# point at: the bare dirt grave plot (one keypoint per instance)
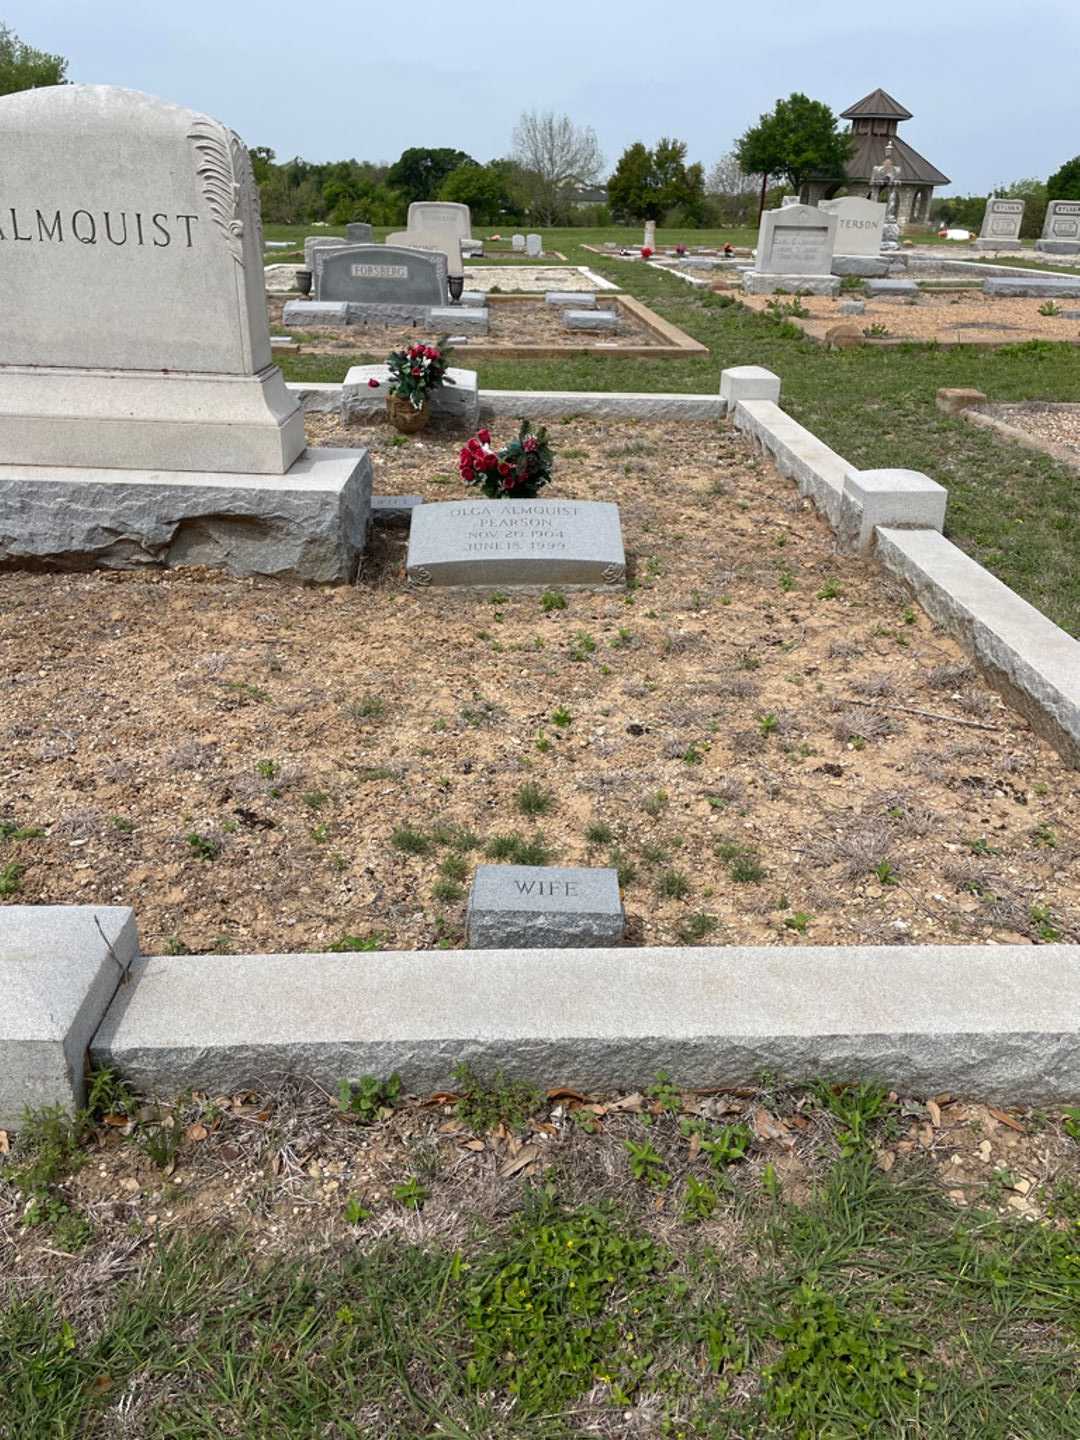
(949, 317)
(770, 742)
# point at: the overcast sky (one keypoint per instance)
(993, 86)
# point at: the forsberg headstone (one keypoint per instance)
(516, 543)
(381, 274)
(1061, 228)
(1001, 225)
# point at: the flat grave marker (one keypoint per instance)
(525, 907)
(516, 544)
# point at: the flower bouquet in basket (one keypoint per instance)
(519, 471)
(414, 374)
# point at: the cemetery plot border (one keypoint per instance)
(676, 344)
(1051, 427)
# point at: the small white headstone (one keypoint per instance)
(650, 235)
(533, 246)
(517, 242)
(796, 240)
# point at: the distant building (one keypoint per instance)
(588, 195)
(874, 119)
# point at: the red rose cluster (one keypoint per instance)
(478, 458)
(646, 252)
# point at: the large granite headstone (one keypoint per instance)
(573, 544)
(525, 907)
(859, 224)
(140, 411)
(794, 252)
(381, 275)
(1061, 228)
(1001, 225)
(312, 243)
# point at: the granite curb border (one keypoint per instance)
(995, 1022)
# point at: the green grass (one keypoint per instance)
(874, 1309)
(1015, 511)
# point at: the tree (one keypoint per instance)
(797, 139)
(488, 190)
(1064, 184)
(419, 173)
(732, 195)
(24, 68)
(649, 184)
(556, 156)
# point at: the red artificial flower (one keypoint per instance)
(373, 383)
(484, 435)
(415, 370)
(491, 462)
(531, 443)
(510, 483)
(468, 473)
(504, 469)
(645, 252)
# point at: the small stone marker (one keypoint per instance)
(1061, 228)
(525, 907)
(358, 232)
(859, 224)
(319, 242)
(533, 246)
(890, 287)
(394, 509)
(571, 299)
(517, 242)
(516, 544)
(1001, 225)
(852, 307)
(381, 274)
(595, 320)
(473, 320)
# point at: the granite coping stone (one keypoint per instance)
(58, 973)
(536, 907)
(997, 1022)
(571, 299)
(756, 282)
(394, 509)
(1037, 286)
(516, 544)
(468, 319)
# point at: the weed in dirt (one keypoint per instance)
(203, 847)
(831, 590)
(655, 803)
(673, 885)
(561, 717)
(410, 1193)
(598, 833)
(410, 841)
(697, 927)
(369, 1099)
(582, 646)
(532, 799)
(370, 707)
(448, 891)
(349, 943)
(646, 1166)
(518, 850)
(10, 879)
(552, 600)
(484, 1103)
(454, 867)
(623, 866)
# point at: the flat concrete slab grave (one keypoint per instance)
(536, 907)
(60, 965)
(468, 319)
(1046, 287)
(514, 544)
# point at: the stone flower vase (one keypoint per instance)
(303, 281)
(403, 417)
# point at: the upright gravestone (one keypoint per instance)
(649, 240)
(312, 243)
(859, 224)
(381, 275)
(533, 246)
(1061, 229)
(473, 544)
(787, 200)
(358, 232)
(794, 252)
(1001, 225)
(141, 417)
(517, 242)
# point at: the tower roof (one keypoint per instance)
(878, 105)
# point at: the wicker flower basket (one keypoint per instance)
(404, 418)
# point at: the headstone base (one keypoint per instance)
(145, 420)
(594, 320)
(755, 282)
(468, 319)
(338, 314)
(992, 245)
(868, 267)
(310, 524)
(1058, 247)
